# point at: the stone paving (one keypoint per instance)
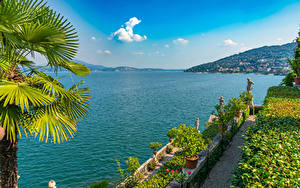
(221, 174)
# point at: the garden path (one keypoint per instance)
(221, 174)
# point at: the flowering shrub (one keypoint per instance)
(151, 166)
(163, 177)
(270, 155)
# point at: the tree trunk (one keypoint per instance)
(8, 159)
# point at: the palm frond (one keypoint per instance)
(51, 123)
(22, 95)
(77, 69)
(4, 63)
(78, 109)
(10, 119)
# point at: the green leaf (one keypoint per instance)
(78, 69)
(22, 95)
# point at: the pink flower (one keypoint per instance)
(182, 168)
(167, 170)
(172, 171)
(189, 172)
(176, 171)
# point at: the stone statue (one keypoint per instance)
(222, 102)
(249, 86)
(197, 123)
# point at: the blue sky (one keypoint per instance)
(173, 33)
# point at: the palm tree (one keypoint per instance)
(32, 102)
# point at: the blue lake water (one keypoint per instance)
(129, 110)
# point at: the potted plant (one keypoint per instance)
(172, 133)
(169, 150)
(237, 107)
(151, 166)
(191, 142)
(223, 117)
(295, 63)
(160, 157)
(154, 146)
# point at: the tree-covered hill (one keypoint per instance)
(264, 60)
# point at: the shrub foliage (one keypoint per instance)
(270, 155)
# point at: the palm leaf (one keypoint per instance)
(10, 119)
(77, 69)
(78, 109)
(22, 95)
(51, 122)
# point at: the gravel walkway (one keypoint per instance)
(221, 174)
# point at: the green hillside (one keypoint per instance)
(264, 60)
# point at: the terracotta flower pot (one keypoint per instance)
(191, 163)
(297, 80)
(154, 152)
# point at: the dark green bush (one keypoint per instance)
(288, 79)
(100, 184)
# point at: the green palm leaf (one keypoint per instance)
(51, 122)
(77, 69)
(10, 119)
(22, 95)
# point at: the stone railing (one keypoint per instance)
(143, 169)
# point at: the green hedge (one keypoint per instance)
(270, 155)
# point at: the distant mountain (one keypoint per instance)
(263, 60)
(92, 67)
(98, 68)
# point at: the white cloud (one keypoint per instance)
(229, 42)
(279, 39)
(180, 41)
(93, 38)
(99, 52)
(138, 53)
(157, 53)
(126, 34)
(108, 52)
(167, 46)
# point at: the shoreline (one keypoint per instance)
(271, 74)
